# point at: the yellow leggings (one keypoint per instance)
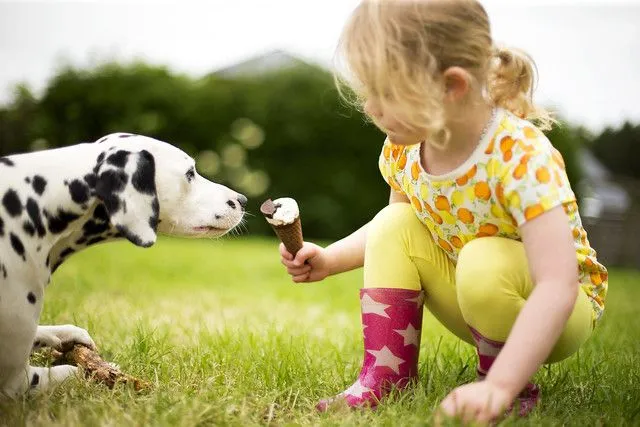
(485, 289)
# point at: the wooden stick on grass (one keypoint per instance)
(97, 368)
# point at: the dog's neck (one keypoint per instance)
(63, 214)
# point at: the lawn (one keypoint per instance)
(227, 339)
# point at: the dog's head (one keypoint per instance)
(149, 187)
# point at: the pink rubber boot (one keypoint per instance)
(488, 350)
(392, 320)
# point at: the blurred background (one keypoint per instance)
(245, 87)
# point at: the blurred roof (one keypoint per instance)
(263, 63)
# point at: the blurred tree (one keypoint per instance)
(282, 133)
(619, 149)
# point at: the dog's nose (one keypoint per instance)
(242, 200)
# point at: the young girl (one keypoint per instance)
(482, 225)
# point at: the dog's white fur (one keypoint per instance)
(123, 185)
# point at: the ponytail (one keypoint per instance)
(511, 83)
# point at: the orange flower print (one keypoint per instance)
(491, 146)
(596, 279)
(500, 193)
(464, 179)
(445, 245)
(395, 151)
(506, 144)
(402, 161)
(457, 242)
(520, 171)
(482, 190)
(416, 203)
(415, 171)
(437, 218)
(465, 216)
(442, 203)
(386, 151)
(487, 230)
(542, 175)
(533, 211)
(576, 233)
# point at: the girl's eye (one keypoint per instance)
(191, 174)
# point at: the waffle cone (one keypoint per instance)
(290, 235)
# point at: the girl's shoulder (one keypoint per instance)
(518, 141)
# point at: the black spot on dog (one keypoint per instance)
(118, 159)
(125, 135)
(60, 222)
(56, 265)
(29, 228)
(103, 139)
(11, 203)
(31, 297)
(100, 213)
(100, 158)
(81, 241)
(34, 214)
(95, 240)
(17, 246)
(1, 227)
(65, 253)
(79, 191)
(3, 269)
(7, 162)
(35, 380)
(48, 260)
(153, 220)
(91, 179)
(27, 180)
(109, 184)
(112, 181)
(39, 248)
(39, 184)
(144, 178)
(92, 228)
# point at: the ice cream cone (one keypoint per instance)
(284, 217)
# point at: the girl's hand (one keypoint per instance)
(476, 402)
(311, 263)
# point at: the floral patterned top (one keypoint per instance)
(514, 175)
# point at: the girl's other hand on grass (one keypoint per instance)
(311, 263)
(476, 403)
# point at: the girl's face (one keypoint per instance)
(390, 122)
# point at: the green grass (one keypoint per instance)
(227, 339)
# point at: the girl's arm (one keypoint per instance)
(554, 269)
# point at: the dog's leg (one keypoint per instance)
(34, 379)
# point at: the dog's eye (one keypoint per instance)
(191, 174)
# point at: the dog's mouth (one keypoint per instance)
(210, 229)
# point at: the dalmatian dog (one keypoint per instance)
(60, 201)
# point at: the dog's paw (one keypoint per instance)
(63, 337)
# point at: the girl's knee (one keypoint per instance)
(492, 284)
(391, 221)
(487, 263)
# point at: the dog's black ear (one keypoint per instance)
(126, 184)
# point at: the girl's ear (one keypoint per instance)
(457, 82)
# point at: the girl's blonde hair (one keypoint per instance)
(397, 50)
